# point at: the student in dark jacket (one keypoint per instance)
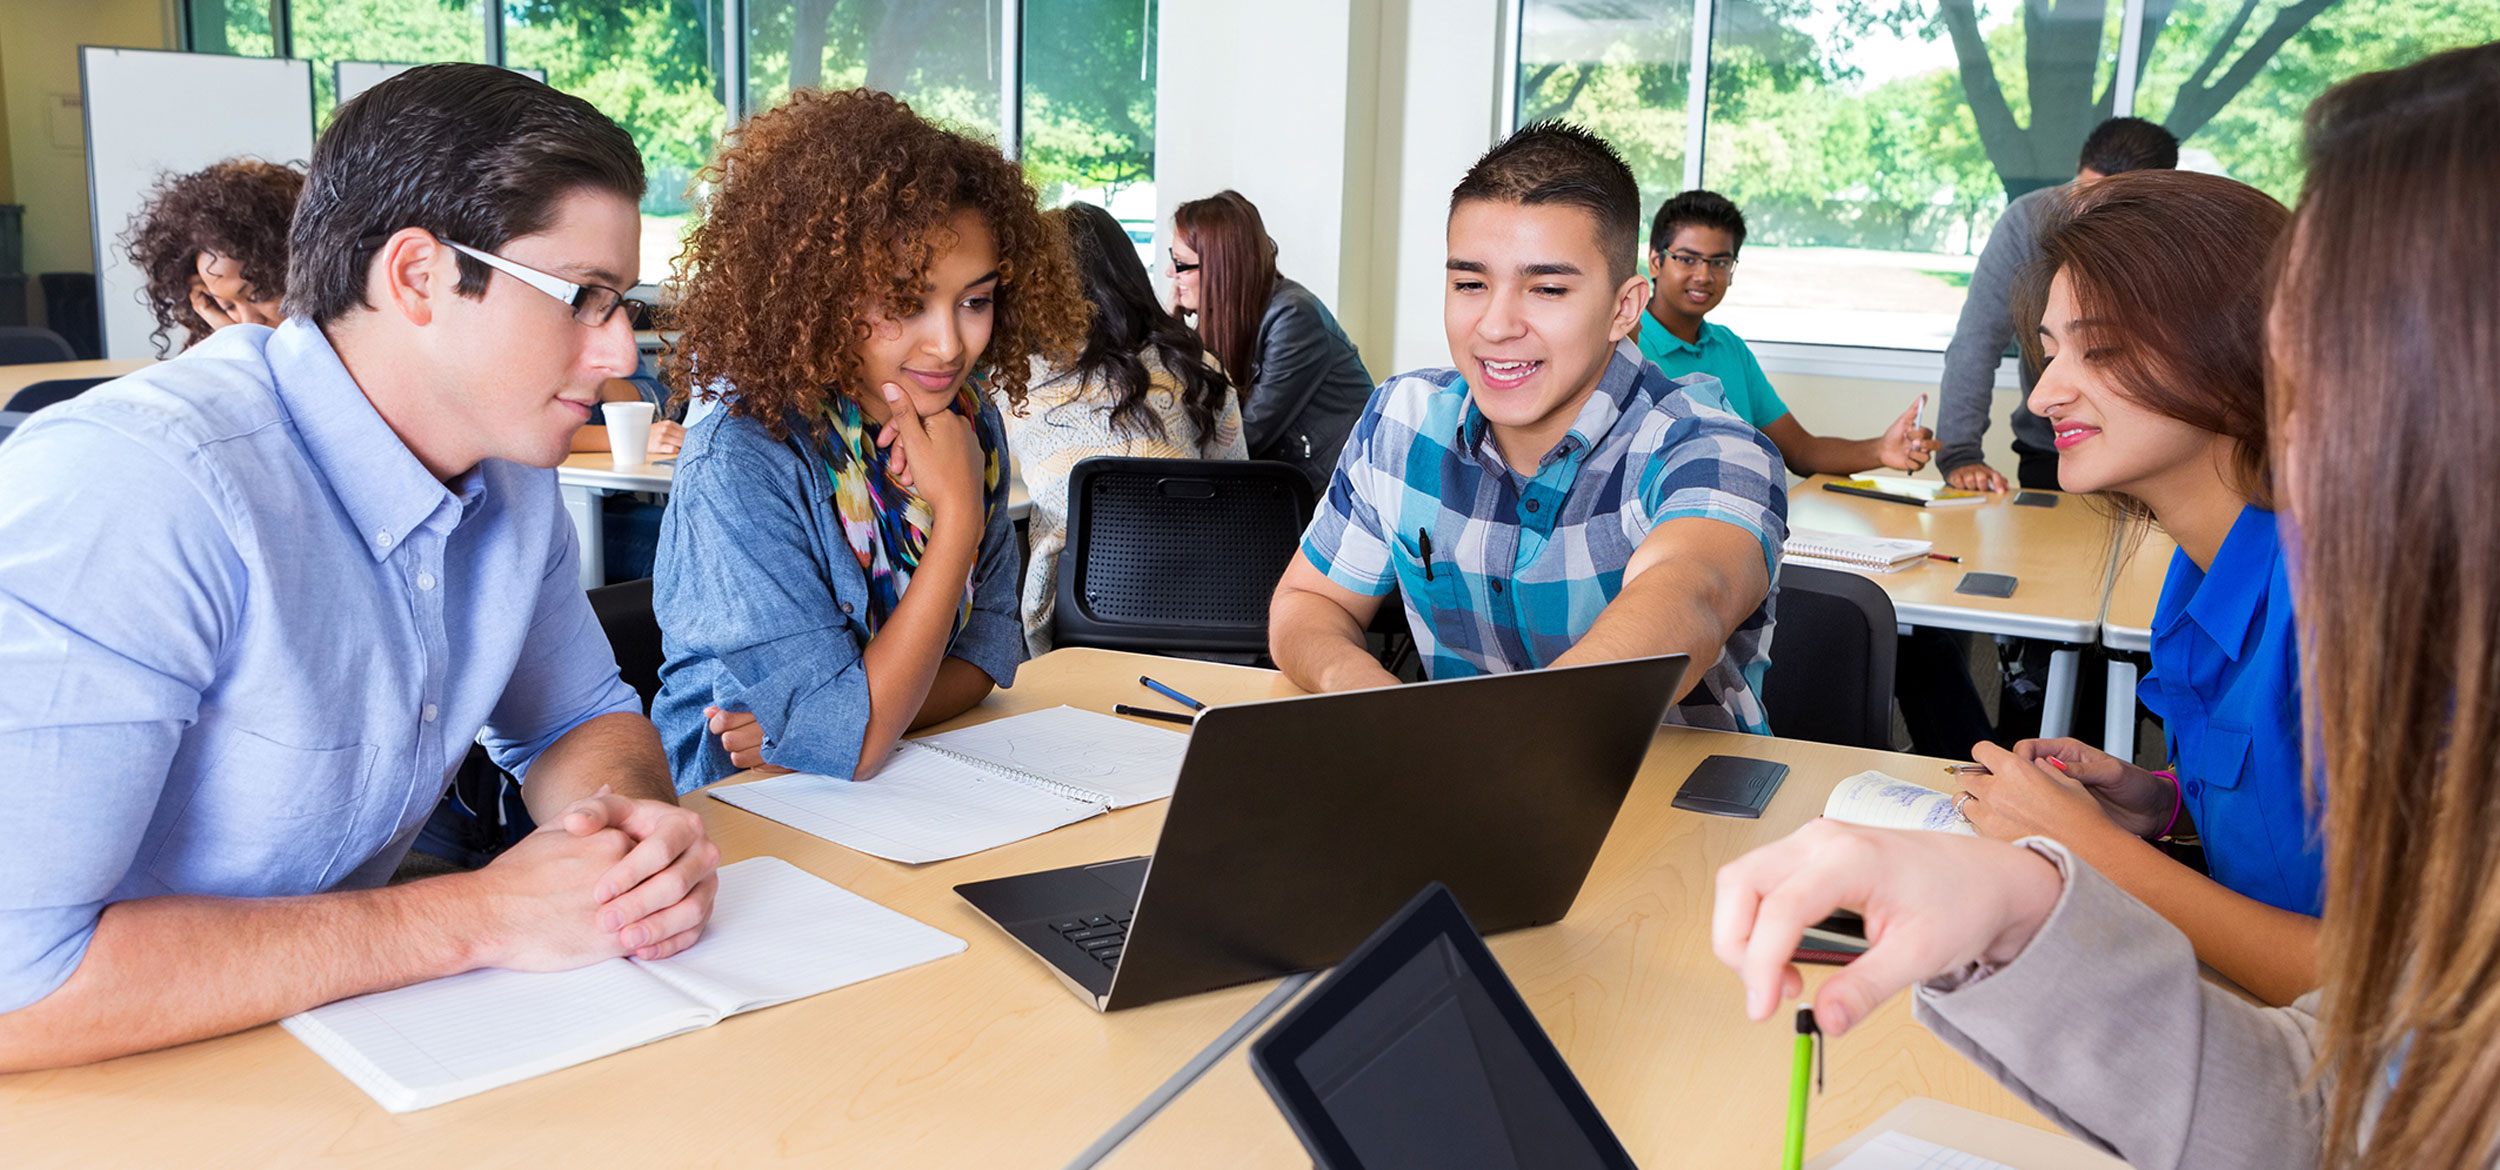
(1303, 383)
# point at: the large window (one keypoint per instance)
(942, 56)
(649, 64)
(1872, 143)
(1067, 86)
(1088, 119)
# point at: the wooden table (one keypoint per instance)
(2127, 626)
(589, 475)
(14, 378)
(985, 1060)
(2059, 557)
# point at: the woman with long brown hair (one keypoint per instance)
(836, 566)
(1304, 384)
(2149, 307)
(2384, 349)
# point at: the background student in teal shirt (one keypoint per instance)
(1692, 261)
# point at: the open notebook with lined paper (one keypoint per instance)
(978, 787)
(777, 934)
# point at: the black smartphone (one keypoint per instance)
(1986, 585)
(2035, 500)
(1731, 786)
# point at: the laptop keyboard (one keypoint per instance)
(1102, 935)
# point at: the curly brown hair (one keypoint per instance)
(241, 208)
(832, 205)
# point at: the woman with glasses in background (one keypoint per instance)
(1304, 383)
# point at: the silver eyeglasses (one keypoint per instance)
(592, 304)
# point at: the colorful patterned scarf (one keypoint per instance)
(886, 523)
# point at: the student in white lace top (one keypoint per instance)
(1144, 386)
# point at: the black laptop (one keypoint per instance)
(1299, 824)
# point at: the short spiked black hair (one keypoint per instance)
(1557, 162)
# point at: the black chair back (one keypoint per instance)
(42, 394)
(20, 344)
(1176, 554)
(625, 615)
(1832, 659)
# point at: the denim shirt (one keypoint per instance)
(2226, 683)
(764, 608)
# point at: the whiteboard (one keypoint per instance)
(355, 77)
(152, 113)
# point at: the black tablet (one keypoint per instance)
(1416, 1051)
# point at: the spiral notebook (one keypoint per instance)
(1888, 802)
(777, 933)
(979, 787)
(1860, 554)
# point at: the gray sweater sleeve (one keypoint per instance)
(2104, 1024)
(1985, 327)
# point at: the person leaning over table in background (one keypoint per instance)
(1142, 386)
(2150, 342)
(1302, 383)
(1987, 324)
(2087, 1003)
(212, 247)
(1554, 499)
(255, 605)
(837, 566)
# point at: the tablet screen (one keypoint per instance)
(1418, 1052)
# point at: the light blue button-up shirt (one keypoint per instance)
(246, 638)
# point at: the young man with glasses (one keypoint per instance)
(256, 604)
(1693, 242)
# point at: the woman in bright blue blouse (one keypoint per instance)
(2149, 307)
(836, 566)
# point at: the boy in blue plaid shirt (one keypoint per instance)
(1553, 499)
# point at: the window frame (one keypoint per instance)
(1888, 363)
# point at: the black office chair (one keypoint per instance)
(625, 615)
(1832, 659)
(42, 394)
(20, 344)
(1176, 554)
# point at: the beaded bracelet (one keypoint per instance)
(2178, 804)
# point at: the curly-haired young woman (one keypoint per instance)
(837, 566)
(212, 245)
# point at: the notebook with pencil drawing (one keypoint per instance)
(979, 787)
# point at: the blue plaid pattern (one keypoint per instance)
(1522, 565)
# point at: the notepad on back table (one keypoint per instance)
(777, 933)
(1933, 493)
(1844, 550)
(1887, 802)
(979, 787)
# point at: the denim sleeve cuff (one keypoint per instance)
(992, 641)
(814, 716)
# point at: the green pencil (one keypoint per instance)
(1799, 1076)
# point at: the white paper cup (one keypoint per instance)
(629, 432)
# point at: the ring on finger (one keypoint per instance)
(1966, 797)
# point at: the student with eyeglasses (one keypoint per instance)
(1303, 384)
(1693, 242)
(257, 604)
